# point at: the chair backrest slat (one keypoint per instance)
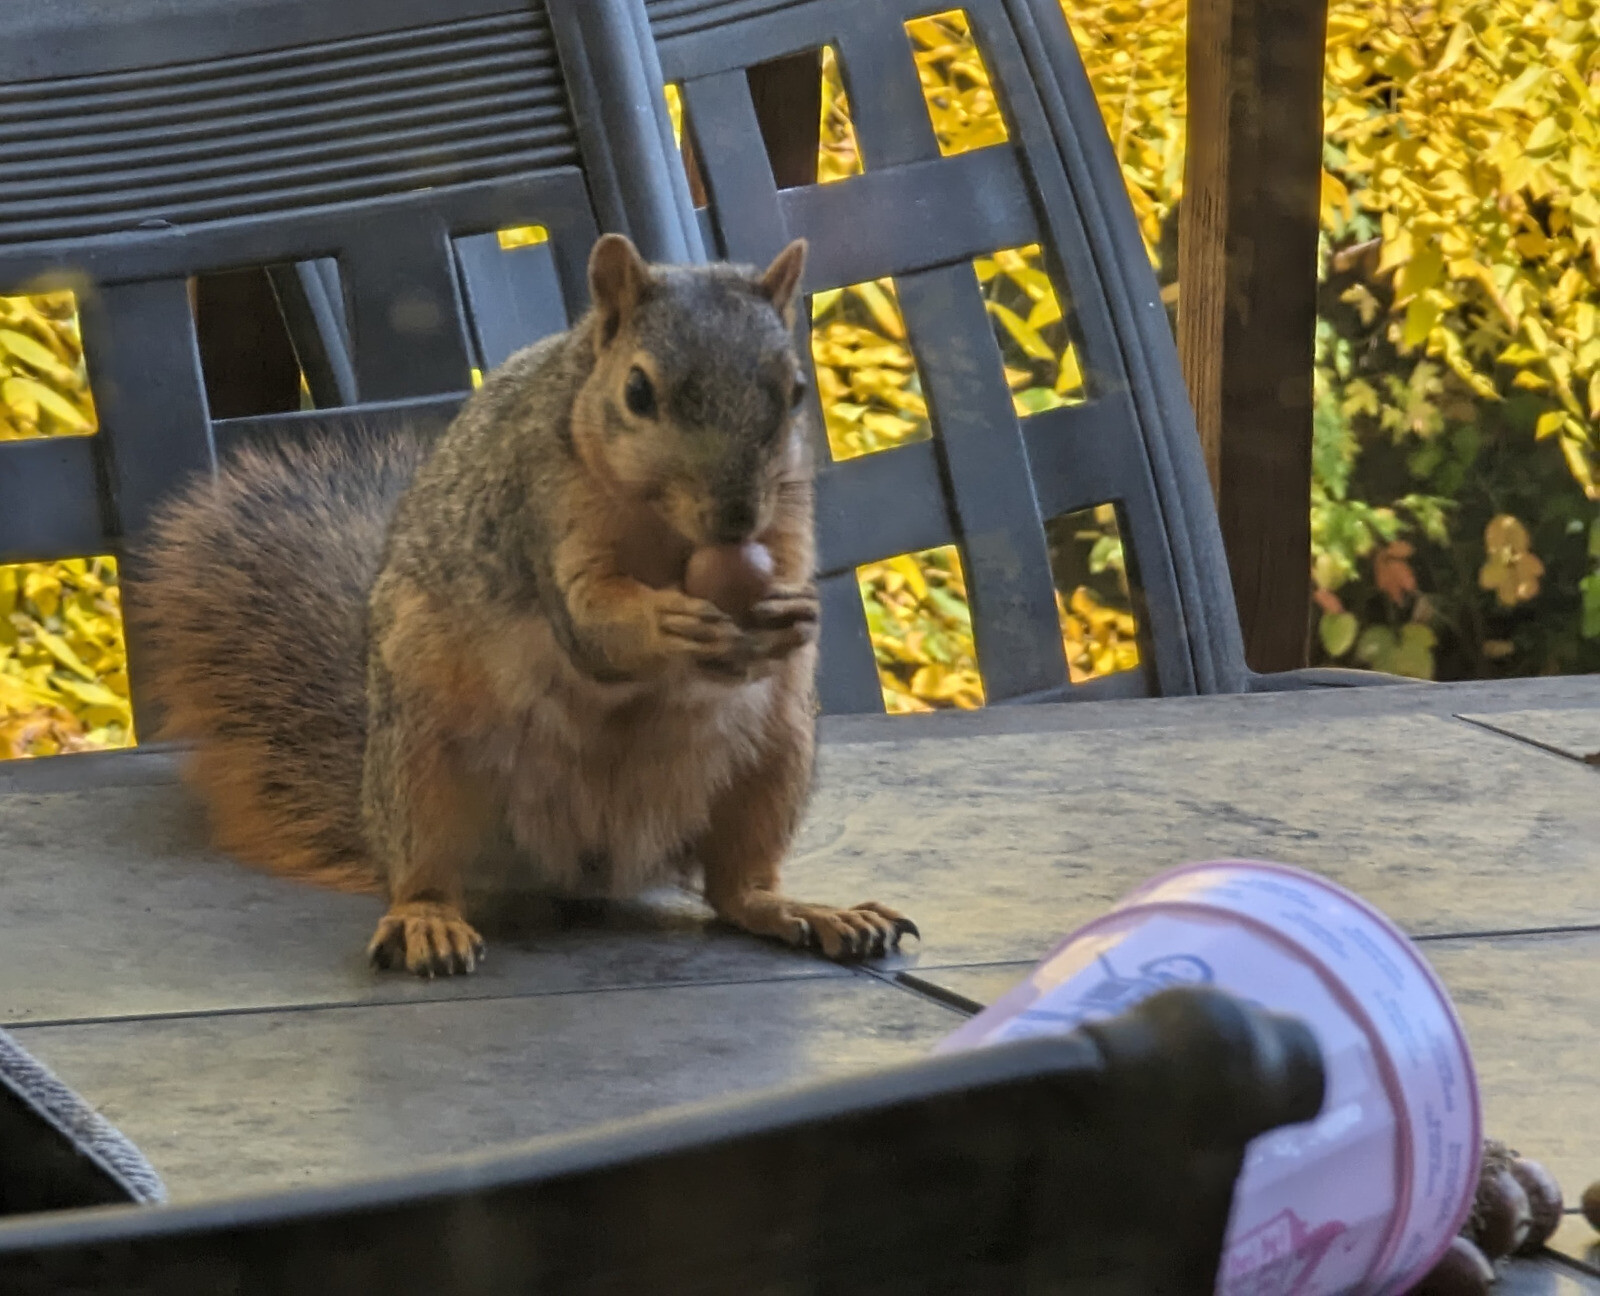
(905, 219)
(144, 361)
(407, 329)
(364, 154)
(51, 502)
(738, 176)
(889, 112)
(512, 300)
(990, 487)
(849, 685)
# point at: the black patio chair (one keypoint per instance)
(987, 481)
(365, 152)
(1099, 1164)
(992, 484)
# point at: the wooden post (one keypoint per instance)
(788, 101)
(247, 359)
(1247, 276)
(787, 94)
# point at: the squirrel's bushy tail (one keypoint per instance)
(251, 598)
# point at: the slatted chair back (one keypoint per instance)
(988, 481)
(368, 151)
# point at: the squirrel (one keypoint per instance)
(451, 668)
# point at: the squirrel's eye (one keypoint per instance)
(798, 395)
(639, 394)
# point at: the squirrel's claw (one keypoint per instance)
(868, 930)
(427, 939)
(865, 931)
(784, 609)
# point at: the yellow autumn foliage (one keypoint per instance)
(63, 668)
(44, 390)
(63, 674)
(1471, 130)
(1464, 132)
(872, 399)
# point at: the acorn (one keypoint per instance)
(1591, 1204)
(1502, 1215)
(1545, 1203)
(733, 576)
(1463, 1270)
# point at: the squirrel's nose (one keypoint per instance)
(734, 522)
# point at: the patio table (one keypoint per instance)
(226, 1021)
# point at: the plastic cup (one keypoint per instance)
(1366, 1197)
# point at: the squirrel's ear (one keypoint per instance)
(617, 279)
(781, 282)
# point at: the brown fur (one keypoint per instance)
(251, 603)
(533, 715)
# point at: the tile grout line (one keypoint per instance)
(929, 990)
(906, 983)
(191, 1014)
(1589, 1268)
(1563, 929)
(1486, 727)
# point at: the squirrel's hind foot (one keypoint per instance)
(427, 938)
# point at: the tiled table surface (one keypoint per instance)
(227, 1023)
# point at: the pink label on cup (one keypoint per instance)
(1369, 1194)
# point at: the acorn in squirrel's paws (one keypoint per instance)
(574, 637)
(733, 576)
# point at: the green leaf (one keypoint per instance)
(1413, 655)
(1375, 643)
(1106, 555)
(1590, 585)
(1337, 630)
(1035, 400)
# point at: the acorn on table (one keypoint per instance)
(1463, 1270)
(1591, 1204)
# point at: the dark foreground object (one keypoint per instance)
(55, 1151)
(1101, 1162)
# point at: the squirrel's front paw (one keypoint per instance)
(773, 629)
(695, 628)
(787, 619)
(427, 938)
(867, 930)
